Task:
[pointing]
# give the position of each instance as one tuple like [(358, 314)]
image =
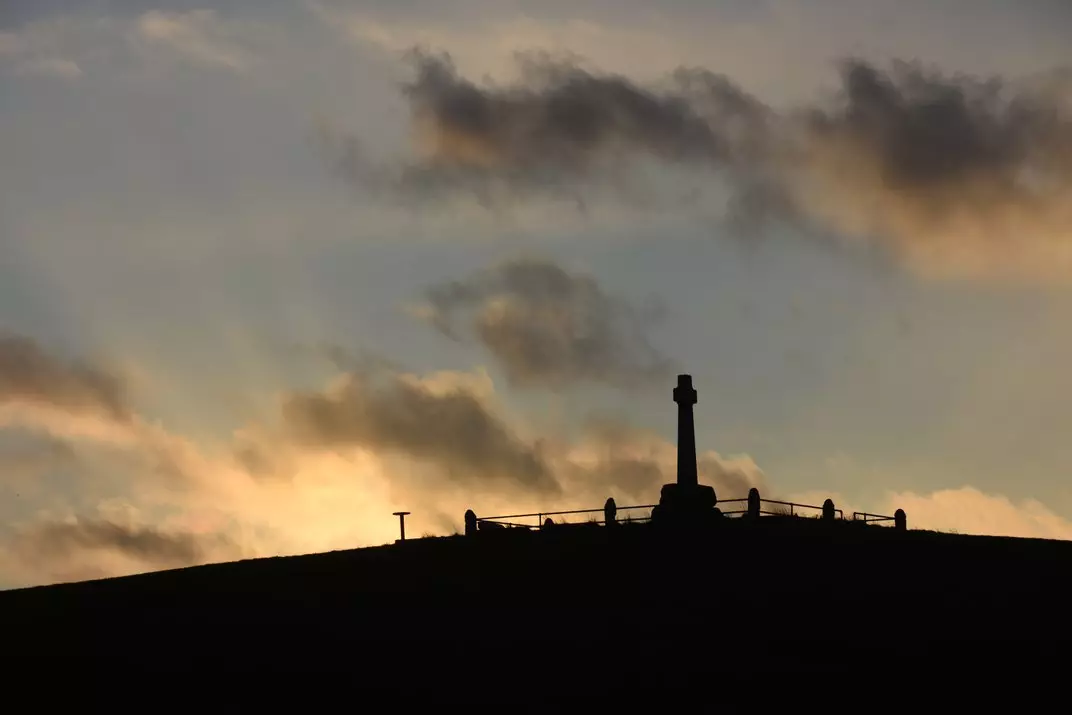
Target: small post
[(402, 523), (900, 521), (470, 522), (829, 512), (610, 512), (753, 503)]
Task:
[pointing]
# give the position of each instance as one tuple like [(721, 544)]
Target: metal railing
[(506, 520), (792, 511), (788, 509), (870, 518)]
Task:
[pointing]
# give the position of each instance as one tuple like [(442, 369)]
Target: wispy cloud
[(198, 35), (86, 548), (29, 374), (71, 46), (37, 52), (50, 66)]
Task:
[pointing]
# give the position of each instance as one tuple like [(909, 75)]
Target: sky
[(271, 271)]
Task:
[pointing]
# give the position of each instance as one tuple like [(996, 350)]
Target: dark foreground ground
[(614, 609)]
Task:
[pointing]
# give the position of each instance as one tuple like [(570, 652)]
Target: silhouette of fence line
[(868, 518), (789, 508), (540, 516), (793, 507)]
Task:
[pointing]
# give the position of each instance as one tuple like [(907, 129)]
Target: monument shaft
[(685, 397)]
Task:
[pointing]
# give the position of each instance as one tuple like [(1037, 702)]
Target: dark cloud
[(439, 432), (954, 172), (29, 374), (980, 168), (452, 429), (928, 132), (57, 542), (731, 478), (548, 327), (559, 130), (634, 464), (33, 454), (560, 117), (257, 460)]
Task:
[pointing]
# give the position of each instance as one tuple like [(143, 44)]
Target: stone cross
[(685, 397)]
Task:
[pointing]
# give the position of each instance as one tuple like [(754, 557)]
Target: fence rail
[(793, 507), (868, 518), (507, 520), (541, 516)]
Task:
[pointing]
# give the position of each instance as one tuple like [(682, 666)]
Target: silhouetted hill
[(569, 603)]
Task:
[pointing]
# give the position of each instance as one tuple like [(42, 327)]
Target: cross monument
[(685, 501)]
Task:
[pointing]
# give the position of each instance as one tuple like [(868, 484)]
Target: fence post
[(610, 512), (829, 512), (753, 503), (470, 522), (900, 521)]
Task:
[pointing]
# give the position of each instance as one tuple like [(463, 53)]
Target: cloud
[(51, 67), (69, 402), (450, 423), (196, 34), (443, 422), (959, 174), (343, 458), (93, 548), (132, 47), (440, 445), (613, 457), (561, 117), (969, 511), (38, 52), (964, 510), (21, 463), (145, 544), (29, 375), (548, 327), (559, 132), (955, 175)]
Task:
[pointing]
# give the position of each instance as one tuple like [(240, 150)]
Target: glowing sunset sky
[(273, 271)]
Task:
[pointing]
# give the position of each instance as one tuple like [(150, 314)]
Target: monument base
[(686, 506)]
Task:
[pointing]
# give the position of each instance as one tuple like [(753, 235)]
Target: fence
[(541, 516), (900, 521), (793, 508), (740, 508), (870, 518)]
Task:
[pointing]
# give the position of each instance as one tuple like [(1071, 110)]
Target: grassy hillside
[(779, 592)]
